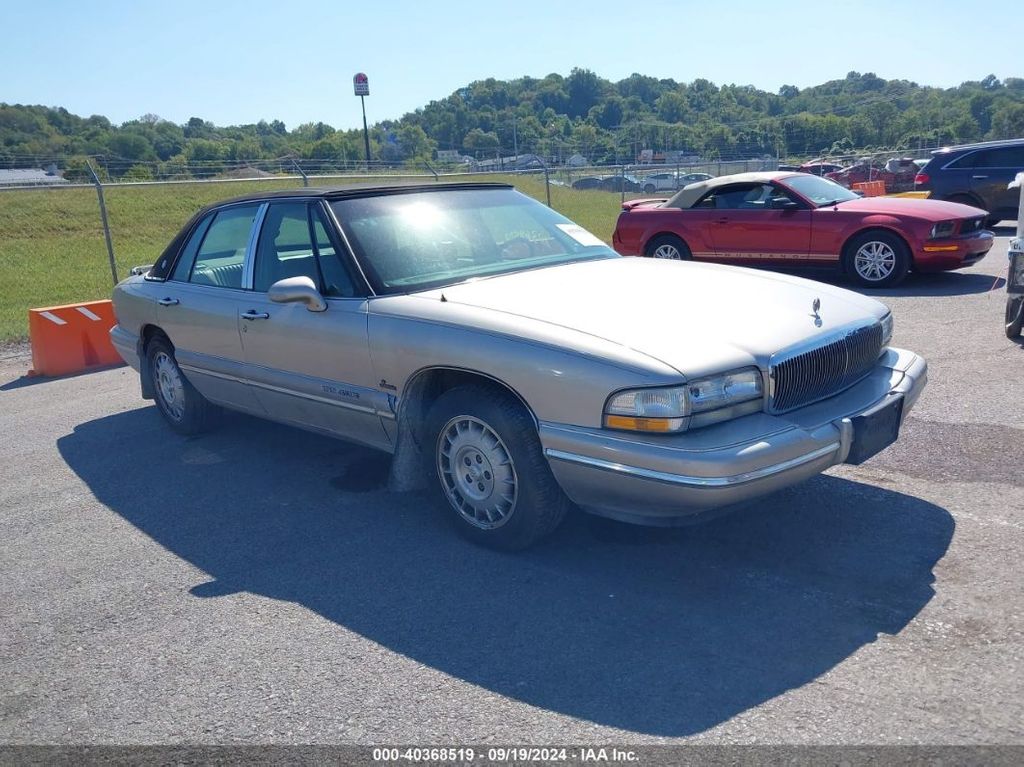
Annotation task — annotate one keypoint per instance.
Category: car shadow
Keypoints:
(664, 632)
(934, 284)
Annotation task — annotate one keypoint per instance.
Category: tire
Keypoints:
(876, 259)
(668, 246)
(492, 440)
(185, 409)
(1014, 316)
(649, 189)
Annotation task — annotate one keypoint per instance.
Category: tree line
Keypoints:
(554, 117)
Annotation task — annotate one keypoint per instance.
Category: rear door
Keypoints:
(310, 368)
(198, 305)
(747, 228)
(992, 170)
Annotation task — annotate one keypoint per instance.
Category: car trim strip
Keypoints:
(292, 392)
(684, 479)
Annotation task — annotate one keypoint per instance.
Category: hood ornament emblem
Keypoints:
(815, 306)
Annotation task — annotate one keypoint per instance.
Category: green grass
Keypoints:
(52, 249)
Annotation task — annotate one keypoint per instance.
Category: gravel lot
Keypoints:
(258, 584)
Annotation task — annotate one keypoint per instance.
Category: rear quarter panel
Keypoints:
(635, 228)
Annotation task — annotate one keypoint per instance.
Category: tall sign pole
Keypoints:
(361, 86)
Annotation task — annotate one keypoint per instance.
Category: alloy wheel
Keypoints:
(874, 261)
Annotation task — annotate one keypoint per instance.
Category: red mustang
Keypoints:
(794, 219)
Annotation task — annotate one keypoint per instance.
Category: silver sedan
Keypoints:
(509, 357)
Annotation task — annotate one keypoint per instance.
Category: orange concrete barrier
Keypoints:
(871, 188)
(72, 338)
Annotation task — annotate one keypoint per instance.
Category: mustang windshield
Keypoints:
(820, 191)
(421, 240)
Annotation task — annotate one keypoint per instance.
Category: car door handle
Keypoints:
(252, 314)
(168, 302)
(979, 177)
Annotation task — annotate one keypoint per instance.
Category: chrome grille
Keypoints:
(800, 378)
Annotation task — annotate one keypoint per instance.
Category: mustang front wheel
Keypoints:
(491, 470)
(877, 259)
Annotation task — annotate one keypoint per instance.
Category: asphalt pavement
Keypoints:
(258, 584)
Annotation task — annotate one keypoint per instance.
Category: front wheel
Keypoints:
(184, 408)
(668, 246)
(1014, 316)
(877, 259)
(491, 470)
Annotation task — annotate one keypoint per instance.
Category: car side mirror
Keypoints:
(297, 290)
(780, 203)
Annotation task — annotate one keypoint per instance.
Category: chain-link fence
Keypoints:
(68, 235)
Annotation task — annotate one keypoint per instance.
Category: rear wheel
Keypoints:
(668, 246)
(648, 188)
(876, 259)
(490, 469)
(1014, 316)
(184, 408)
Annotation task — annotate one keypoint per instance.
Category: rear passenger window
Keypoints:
(221, 256)
(188, 254)
(1006, 157)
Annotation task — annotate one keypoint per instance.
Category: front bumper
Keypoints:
(669, 480)
(953, 253)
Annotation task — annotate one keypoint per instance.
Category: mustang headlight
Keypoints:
(887, 323)
(700, 402)
(943, 229)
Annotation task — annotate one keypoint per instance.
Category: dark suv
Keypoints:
(976, 174)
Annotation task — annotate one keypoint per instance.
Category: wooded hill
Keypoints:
(554, 117)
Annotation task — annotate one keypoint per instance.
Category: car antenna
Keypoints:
(443, 299)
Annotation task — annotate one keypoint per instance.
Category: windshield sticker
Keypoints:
(581, 235)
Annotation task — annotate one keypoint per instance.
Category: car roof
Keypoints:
(978, 145)
(357, 190)
(689, 194)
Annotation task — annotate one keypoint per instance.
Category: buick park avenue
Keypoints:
(510, 358)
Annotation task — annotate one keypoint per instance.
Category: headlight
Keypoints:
(887, 323)
(943, 229)
(700, 402)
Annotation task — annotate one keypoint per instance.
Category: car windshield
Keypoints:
(820, 191)
(417, 241)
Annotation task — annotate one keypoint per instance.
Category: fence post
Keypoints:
(305, 178)
(431, 169)
(547, 183)
(106, 223)
(622, 184)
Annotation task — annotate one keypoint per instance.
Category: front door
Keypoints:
(305, 367)
(750, 227)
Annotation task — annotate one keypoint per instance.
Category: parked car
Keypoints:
(898, 174)
(619, 183)
(670, 182)
(587, 182)
(509, 356)
(976, 174)
(818, 167)
(795, 219)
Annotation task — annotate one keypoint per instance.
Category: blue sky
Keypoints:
(237, 62)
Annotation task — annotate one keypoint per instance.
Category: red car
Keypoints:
(793, 219)
(898, 174)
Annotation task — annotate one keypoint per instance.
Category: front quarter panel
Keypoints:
(565, 377)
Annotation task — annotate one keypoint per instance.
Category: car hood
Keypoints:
(928, 210)
(696, 318)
